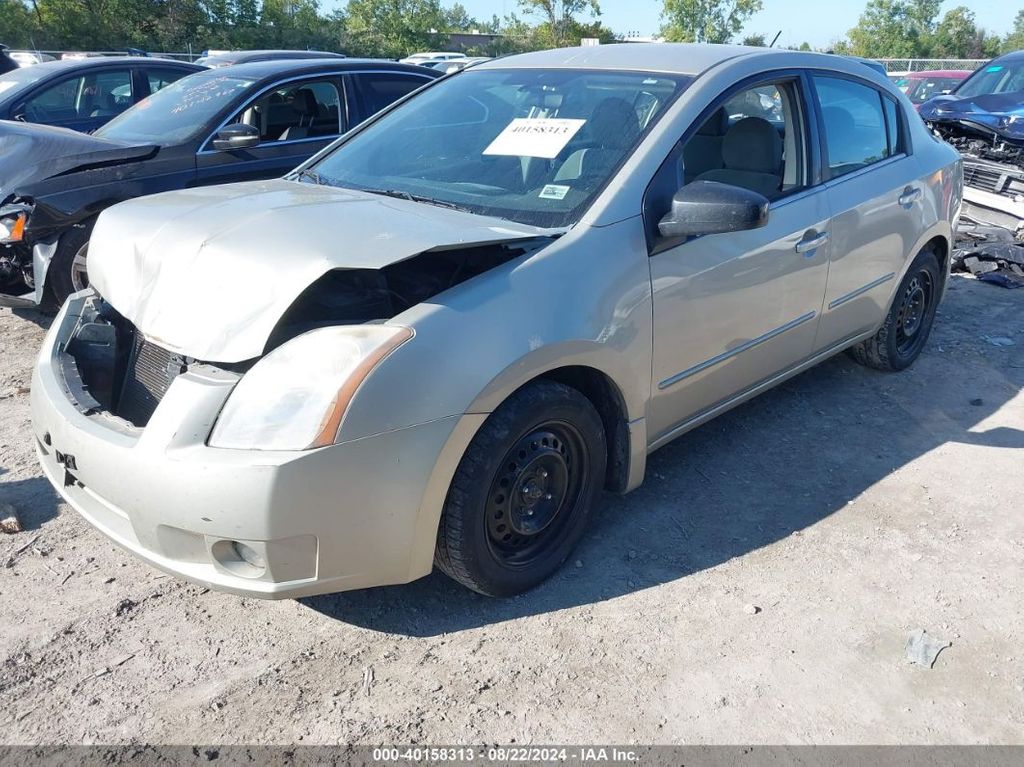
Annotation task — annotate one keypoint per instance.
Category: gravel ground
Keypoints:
(760, 587)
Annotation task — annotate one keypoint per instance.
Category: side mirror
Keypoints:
(708, 207)
(237, 136)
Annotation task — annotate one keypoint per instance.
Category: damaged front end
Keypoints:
(990, 139)
(18, 279)
(992, 147)
(112, 370)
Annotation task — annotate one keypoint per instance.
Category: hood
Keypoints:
(1001, 113)
(30, 153)
(208, 272)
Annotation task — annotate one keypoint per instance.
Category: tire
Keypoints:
(524, 492)
(67, 270)
(909, 322)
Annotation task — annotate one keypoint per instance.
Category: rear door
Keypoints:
(296, 118)
(874, 190)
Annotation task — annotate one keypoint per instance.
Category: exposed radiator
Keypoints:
(150, 372)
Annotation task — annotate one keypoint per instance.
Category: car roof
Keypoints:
(674, 58)
(268, 53)
(63, 65)
(257, 70)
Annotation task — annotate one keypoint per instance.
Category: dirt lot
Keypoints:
(849, 506)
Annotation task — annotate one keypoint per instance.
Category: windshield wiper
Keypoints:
(403, 195)
(312, 175)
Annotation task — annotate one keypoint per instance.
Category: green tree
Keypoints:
(559, 24)
(1014, 40)
(705, 21)
(391, 28)
(755, 40)
(19, 26)
(895, 28)
(957, 36)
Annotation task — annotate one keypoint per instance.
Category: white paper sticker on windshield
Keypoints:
(554, 192)
(538, 137)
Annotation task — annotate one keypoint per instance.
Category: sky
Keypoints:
(818, 22)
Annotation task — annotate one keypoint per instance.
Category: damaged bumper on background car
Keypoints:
(988, 132)
(992, 146)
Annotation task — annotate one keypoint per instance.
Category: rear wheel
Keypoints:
(906, 328)
(524, 491)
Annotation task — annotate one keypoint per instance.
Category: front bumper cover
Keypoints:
(352, 515)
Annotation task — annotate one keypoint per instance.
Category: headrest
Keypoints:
(614, 124)
(752, 144)
(716, 125)
(304, 102)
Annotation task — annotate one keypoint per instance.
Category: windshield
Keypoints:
(919, 91)
(15, 80)
(177, 112)
(1006, 77)
(530, 145)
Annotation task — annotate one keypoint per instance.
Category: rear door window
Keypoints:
(380, 89)
(103, 94)
(856, 129)
(160, 77)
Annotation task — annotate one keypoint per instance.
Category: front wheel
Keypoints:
(909, 322)
(524, 491)
(68, 271)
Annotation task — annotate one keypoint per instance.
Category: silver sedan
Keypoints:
(439, 341)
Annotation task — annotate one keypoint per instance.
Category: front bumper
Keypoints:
(352, 515)
(28, 297)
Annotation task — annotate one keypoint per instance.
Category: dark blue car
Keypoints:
(84, 94)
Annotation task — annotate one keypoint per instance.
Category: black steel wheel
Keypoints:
(908, 324)
(523, 492)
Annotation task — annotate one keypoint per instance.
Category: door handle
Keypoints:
(809, 244)
(910, 196)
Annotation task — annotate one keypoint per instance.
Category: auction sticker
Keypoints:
(554, 192)
(535, 137)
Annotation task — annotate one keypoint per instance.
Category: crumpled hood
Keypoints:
(1002, 113)
(208, 272)
(31, 153)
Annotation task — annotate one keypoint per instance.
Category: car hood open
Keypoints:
(31, 153)
(1000, 113)
(208, 272)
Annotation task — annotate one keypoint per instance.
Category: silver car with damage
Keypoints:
(443, 337)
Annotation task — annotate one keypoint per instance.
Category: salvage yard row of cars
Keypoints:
(438, 340)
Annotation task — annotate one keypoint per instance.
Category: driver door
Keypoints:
(734, 310)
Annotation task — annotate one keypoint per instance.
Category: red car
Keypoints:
(921, 86)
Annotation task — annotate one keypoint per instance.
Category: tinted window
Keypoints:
(380, 90)
(892, 124)
(99, 94)
(298, 110)
(855, 127)
(160, 78)
(999, 76)
(177, 112)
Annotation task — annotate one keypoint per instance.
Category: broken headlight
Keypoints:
(12, 228)
(296, 396)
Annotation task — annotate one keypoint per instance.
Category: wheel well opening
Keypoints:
(940, 247)
(604, 395)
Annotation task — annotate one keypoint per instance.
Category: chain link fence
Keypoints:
(894, 66)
